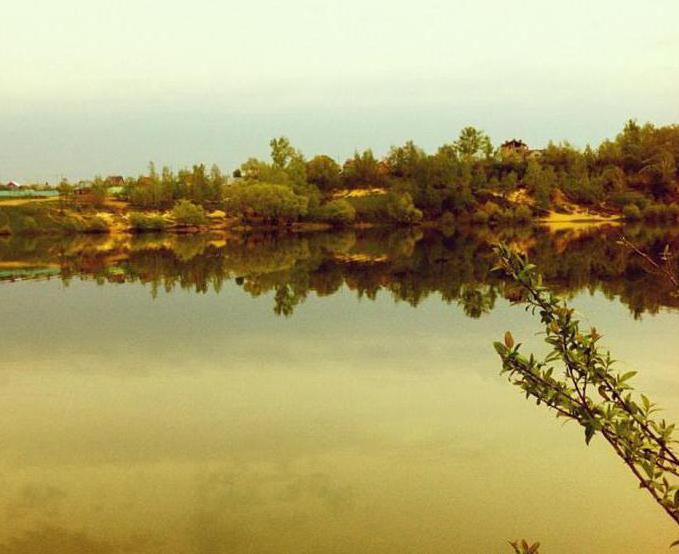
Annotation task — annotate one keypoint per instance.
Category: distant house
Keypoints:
(115, 181)
(83, 188)
(12, 185)
(516, 148)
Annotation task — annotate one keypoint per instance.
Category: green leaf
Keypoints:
(627, 376)
(589, 432)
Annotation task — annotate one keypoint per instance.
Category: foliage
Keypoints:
(270, 202)
(146, 222)
(324, 172)
(405, 161)
(577, 380)
(522, 214)
(473, 143)
(44, 218)
(401, 209)
(186, 213)
(98, 193)
(631, 212)
(65, 190)
(638, 167)
(159, 191)
(95, 224)
(335, 212)
(363, 171)
(480, 217)
(522, 547)
(370, 207)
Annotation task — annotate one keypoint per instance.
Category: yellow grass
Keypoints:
(581, 219)
(19, 201)
(358, 193)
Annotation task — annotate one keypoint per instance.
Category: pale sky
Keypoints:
(105, 86)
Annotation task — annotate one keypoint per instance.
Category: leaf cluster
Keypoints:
(578, 381)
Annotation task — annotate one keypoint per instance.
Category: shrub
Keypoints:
(657, 213)
(480, 217)
(447, 219)
(277, 203)
(146, 222)
(522, 214)
(401, 209)
(621, 199)
(96, 224)
(336, 212)
(324, 172)
(186, 213)
(493, 210)
(371, 207)
(28, 225)
(631, 212)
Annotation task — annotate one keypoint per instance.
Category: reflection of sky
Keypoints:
(206, 423)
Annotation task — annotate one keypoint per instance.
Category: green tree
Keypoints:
(270, 202)
(363, 171)
(324, 172)
(335, 212)
(99, 192)
(473, 144)
(186, 213)
(401, 209)
(66, 191)
(404, 161)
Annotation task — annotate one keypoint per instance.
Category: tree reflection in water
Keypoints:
(408, 264)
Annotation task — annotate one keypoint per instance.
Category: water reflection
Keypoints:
(199, 422)
(408, 264)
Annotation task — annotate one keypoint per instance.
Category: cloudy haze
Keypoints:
(104, 87)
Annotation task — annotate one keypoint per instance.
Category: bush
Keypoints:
(324, 172)
(371, 207)
(28, 225)
(186, 213)
(480, 217)
(276, 203)
(447, 219)
(401, 209)
(624, 198)
(96, 224)
(146, 222)
(631, 212)
(657, 213)
(336, 212)
(522, 214)
(493, 210)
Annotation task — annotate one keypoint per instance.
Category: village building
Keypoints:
(115, 181)
(516, 148)
(12, 185)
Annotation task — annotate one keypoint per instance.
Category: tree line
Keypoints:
(635, 174)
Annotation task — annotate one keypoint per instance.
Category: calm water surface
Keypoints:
(328, 393)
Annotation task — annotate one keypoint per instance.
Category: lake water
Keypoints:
(333, 393)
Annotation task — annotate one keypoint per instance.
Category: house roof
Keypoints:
(514, 143)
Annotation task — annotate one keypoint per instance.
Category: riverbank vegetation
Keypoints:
(469, 181)
(408, 264)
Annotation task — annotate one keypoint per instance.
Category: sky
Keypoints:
(105, 87)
